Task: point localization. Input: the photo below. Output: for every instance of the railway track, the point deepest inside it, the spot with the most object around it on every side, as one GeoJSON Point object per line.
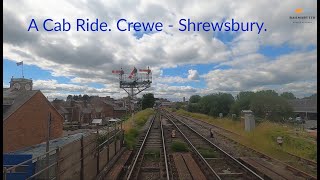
{"type": "Point", "coordinates": [238, 150]}
{"type": "Point", "coordinates": [222, 165]}
{"type": "Point", "coordinates": [224, 132]}
{"type": "Point", "coordinates": [183, 164]}
{"type": "Point", "coordinates": [151, 162]}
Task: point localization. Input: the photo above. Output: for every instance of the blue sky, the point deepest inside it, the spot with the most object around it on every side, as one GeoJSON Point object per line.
{"type": "Point", "coordinates": [34, 72]}
{"type": "Point", "coordinates": [37, 73]}
{"type": "Point", "coordinates": [183, 63]}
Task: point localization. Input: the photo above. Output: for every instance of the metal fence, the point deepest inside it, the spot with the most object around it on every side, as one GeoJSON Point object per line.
{"type": "Point", "coordinates": [81, 159]}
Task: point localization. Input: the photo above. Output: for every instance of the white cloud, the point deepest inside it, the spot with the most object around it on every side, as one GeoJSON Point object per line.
{"type": "Point", "coordinates": [52, 88]}
{"type": "Point", "coordinates": [171, 79]}
{"type": "Point", "coordinates": [286, 69]}
{"type": "Point", "coordinates": [87, 57]}
{"type": "Point", "coordinates": [193, 74]}
{"type": "Point", "coordinates": [5, 85]}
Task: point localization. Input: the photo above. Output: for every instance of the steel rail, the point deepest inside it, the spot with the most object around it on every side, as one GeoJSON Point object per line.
{"type": "Point", "coordinates": [195, 149]}
{"type": "Point", "coordinates": [224, 152]}
{"type": "Point", "coordinates": [289, 167]}
{"type": "Point", "coordinates": [164, 149]}
{"type": "Point", "coordinates": [140, 149]}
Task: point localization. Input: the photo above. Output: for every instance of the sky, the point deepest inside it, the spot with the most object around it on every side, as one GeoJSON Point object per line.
{"type": "Point", "coordinates": [182, 63]}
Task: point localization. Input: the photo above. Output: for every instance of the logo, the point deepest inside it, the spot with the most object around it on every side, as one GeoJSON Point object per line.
{"type": "Point", "coordinates": [304, 11]}
{"type": "Point", "coordinates": [303, 15]}
{"type": "Point", "coordinates": [299, 10]}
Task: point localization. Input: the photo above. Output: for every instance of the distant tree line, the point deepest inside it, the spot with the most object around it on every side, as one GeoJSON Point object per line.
{"type": "Point", "coordinates": [264, 104]}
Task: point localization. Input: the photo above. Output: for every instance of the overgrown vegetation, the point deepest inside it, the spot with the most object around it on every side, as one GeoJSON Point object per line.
{"type": "Point", "coordinates": [266, 104]}
{"type": "Point", "coordinates": [132, 126]}
{"type": "Point", "coordinates": [208, 153]}
{"type": "Point", "coordinates": [263, 137]}
{"type": "Point", "coordinates": [179, 146]}
{"type": "Point", "coordinates": [102, 138]}
{"type": "Point", "coordinates": [130, 137]}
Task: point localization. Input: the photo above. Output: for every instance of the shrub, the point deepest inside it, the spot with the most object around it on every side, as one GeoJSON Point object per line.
{"type": "Point", "coordinates": [179, 146]}
{"type": "Point", "coordinates": [208, 153]}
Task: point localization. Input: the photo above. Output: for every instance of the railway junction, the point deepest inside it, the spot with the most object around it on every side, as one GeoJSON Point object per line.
{"type": "Point", "coordinates": [168, 146]}
{"type": "Point", "coordinates": [178, 147]}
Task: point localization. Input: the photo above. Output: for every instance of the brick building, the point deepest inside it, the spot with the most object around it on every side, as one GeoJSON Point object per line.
{"type": "Point", "coordinates": [60, 106]}
{"type": "Point", "coordinates": [83, 112]}
{"type": "Point", "coordinates": [87, 114]}
{"type": "Point", "coordinates": [108, 107]}
{"type": "Point", "coordinates": [119, 112]}
{"type": "Point", "coordinates": [25, 116]}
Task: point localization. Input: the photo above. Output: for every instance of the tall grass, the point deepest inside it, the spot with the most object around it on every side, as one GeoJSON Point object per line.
{"type": "Point", "coordinates": [263, 137]}
{"type": "Point", "coordinates": [132, 126]}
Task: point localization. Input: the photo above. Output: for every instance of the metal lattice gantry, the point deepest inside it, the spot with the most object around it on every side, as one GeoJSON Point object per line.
{"type": "Point", "coordinates": [135, 82]}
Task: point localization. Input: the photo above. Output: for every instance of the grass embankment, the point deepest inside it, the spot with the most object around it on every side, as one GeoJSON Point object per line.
{"type": "Point", "coordinates": [263, 137]}
{"type": "Point", "coordinates": [133, 125]}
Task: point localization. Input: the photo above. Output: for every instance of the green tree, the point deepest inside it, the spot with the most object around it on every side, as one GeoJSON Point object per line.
{"type": "Point", "coordinates": [225, 100]}
{"type": "Point", "coordinates": [69, 97]}
{"type": "Point", "coordinates": [193, 107]}
{"type": "Point", "coordinates": [179, 105]}
{"type": "Point", "coordinates": [194, 99]}
{"type": "Point", "coordinates": [206, 103]}
{"type": "Point", "coordinates": [85, 97]}
{"type": "Point", "coordinates": [267, 92]}
{"type": "Point", "coordinates": [288, 95]}
{"type": "Point", "coordinates": [242, 102]}
{"type": "Point", "coordinates": [147, 100]}
{"type": "Point", "coordinates": [270, 105]}
{"type": "Point", "coordinates": [312, 96]}
{"type": "Point", "coordinates": [75, 97]}
{"type": "Point", "coordinates": [214, 104]}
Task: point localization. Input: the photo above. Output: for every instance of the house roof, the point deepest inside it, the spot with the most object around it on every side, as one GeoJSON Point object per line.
{"type": "Point", "coordinates": [114, 120]}
{"type": "Point", "coordinates": [167, 103]}
{"type": "Point", "coordinates": [115, 106]}
{"type": "Point", "coordinates": [246, 111]}
{"type": "Point", "coordinates": [63, 110]}
{"type": "Point", "coordinates": [86, 110]}
{"type": "Point", "coordinates": [97, 121]}
{"type": "Point", "coordinates": [98, 109]}
{"type": "Point", "coordinates": [118, 102]}
{"type": "Point", "coordinates": [304, 105]}
{"type": "Point", "coordinates": [108, 102]}
{"type": "Point", "coordinates": [39, 149]}
{"type": "Point", "coordinates": [13, 100]}
{"type": "Point", "coordinates": [119, 108]}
